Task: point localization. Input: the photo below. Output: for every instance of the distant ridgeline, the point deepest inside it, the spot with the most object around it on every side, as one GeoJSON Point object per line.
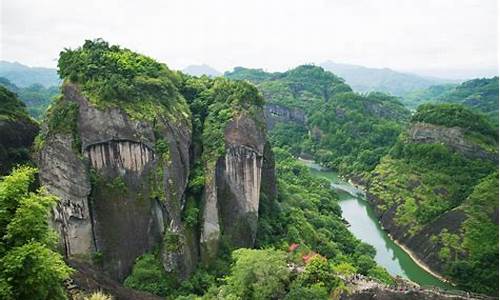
{"type": "Point", "coordinates": [479, 94]}
{"type": "Point", "coordinates": [314, 113]}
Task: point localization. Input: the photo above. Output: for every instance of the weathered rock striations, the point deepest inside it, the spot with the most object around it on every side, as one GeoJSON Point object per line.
{"type": "Point", "coordinates": [118, 197]}
{"type": "Point", "coordinates": [232, 192]}
{"type": "Point", "coordinates": [122, 187]}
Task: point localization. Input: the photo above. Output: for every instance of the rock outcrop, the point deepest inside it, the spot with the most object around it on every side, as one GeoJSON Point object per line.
{"type": "Point", "coordinates": [275, 113]}
{"type": "Point", "coordinates": [122, 187]}
{"type": "Point", "coordinates": [232, 192]}
{"type": "Point", "coordinates": [118, 197]}
{"type": "Point", "coordinates": [454, 137]}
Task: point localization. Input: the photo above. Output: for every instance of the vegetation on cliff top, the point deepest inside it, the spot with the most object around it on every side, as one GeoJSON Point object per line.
{"type": "Point", "coordinates": [10, 106]}
{"type": "Point", "coordinates": [110, 75]}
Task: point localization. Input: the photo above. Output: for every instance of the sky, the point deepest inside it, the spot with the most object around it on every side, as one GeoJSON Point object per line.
{"type": "Point", "coordinates": [433, 37]}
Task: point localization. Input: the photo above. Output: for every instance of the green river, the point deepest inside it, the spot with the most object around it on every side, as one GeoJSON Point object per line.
{"type": "Point", "coordinates": [364, 225]}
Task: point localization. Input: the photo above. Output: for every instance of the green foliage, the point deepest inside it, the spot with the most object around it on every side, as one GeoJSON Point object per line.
{"type": "Point", "coordinates": [10, 105]}
{"type": "Point", "coordinates": [455, 115]}
{"type": "Point", "coordinates": [33, 271]}
{"type": "Point", "coordinates": [62, 117]}
{"type": "Point", "coordinates": [29, 266]}
{"type": "Point", "coordinates": [318, 271]}
{"type": "Point", "coordinates": [112, 76]}
{"type": "Point", "coordinates": [257, 274]}
{"type": "Point", "coordinates": [479, 271]}
{"type": "Point", "coordinates": [148, 275]}
{"type": "Point", "coordinates": [480, 95]}
{"type": "Point", "coordinates": [36, 97]}
{"type": "Point", "coordinates": [252, 75]}
{"type": "Point", "coordinates": [414, 98]}
{"type": "Point", "coordinates": [425, 182]}
{"type": "Point", "coordinates": [345, 131]}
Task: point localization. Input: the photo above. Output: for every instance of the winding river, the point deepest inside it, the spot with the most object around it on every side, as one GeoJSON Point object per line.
{"type": "Point", "coordinates": [364, 225]}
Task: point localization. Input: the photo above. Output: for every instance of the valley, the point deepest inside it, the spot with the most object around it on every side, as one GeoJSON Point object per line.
{"type": "Point", "coordinates": [150, 183]}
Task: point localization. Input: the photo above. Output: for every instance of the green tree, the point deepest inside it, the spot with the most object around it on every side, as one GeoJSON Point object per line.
{"type": "Point", "coordinates": [257, 274]}
{"type": "Point", "coordinates": [29, 266]}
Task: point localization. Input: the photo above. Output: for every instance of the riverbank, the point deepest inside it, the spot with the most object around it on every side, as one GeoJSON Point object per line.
{"type": "Point", "coordinates": [366, 225]}
{"type": "Point", "coordinates": [417, 261]}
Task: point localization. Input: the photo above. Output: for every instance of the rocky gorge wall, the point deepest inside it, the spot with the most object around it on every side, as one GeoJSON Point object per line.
{"type": "Point", "coordinates": [117, 197]}
{"type": "Point", "coordinates": [232, 193]}
{"type": "Point", "coordinates": [121, 195]}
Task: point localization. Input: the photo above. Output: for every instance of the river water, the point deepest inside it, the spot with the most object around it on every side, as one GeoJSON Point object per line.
{"type": "Point", "coordinates": [364, 225]}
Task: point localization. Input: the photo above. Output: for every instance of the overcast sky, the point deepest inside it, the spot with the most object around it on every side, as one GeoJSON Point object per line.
{"type": "Point", "coordinates": [422, 35]}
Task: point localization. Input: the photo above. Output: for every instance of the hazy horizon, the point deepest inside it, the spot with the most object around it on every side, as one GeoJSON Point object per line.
{"type": "Point", "coordinates": [447, 38]}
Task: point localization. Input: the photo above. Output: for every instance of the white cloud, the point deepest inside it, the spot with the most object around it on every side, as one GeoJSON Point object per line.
{"type": "Point", "coordinates": [276, 35]}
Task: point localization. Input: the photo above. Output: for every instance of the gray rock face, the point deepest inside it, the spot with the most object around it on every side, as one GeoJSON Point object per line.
{"type": "Point", "coordinates": [66, 176]}
{"type": "Point", "coordinates": [452, 136]}
{"type": "Point", "coordinates": [275, 113]}
{"type": "Point", "coordinates": [231, 203]}
{"type": "Point", "coordinates": [118, 197]}
{"type": "Point", "coordinates": [121, 194]}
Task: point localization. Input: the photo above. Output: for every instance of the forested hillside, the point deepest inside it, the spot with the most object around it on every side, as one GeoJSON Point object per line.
{"type": "Point", "coordinates": [479, 94]}
{"type": "Point", "coordinates": [437, 192]}
{"type": "Point", "coordinates": [36, 97]}
{"type": "Point", "coordinates": [189, 157]}
{"type": "Point", "coordinates": [343, 130]}
{"type": "Point", "coordinates": [17, 131]}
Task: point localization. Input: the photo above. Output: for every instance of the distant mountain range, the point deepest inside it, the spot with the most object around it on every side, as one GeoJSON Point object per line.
{"type": "Point", "coordinates": [24, 76]}
{"type": "Point", "coordinates": [199, 70]}
{"type": "Point", "coordinates": [363, 79]}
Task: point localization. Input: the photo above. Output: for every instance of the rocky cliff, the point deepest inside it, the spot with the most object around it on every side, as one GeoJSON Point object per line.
{"type": "Point", "coordinates": [232, 193]}
{"type": "Point", "coordinates": [275, 113]}
{"type": "Point", "coordinates": [120, 163]}
{"type": "Point", "coordinates": [118, 195]}
{"type": "Point", "coordinates": [453, 137]}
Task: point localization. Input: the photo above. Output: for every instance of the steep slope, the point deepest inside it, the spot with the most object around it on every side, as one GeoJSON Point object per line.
{"type": "Point", "coordinates": [426, 192]}
{"type": "Point", "coordinates": [316, 114]}
{"type": "Point", "coordinates": [17, 131]}
{"type": "Point", "coordinates": [36, 97]}
{"type": "Point", "coordinates": [119, 151]}
{"type": "Point", "coordinates": [479, 94]}
{"type": "Point", "coordinates": [23, 76]}
{"type": "Point", "coordinates": [363, 79]}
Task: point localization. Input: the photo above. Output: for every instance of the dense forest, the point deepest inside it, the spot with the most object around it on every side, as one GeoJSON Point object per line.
{"type": "Point", "coordinates": [346, 131]}
{"type": "Point", "coordinates": [480, 95]}
{"type": "Point", "coordinates": [189, 187]}
{"type": "Point", "coordinates": [36, 97]}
